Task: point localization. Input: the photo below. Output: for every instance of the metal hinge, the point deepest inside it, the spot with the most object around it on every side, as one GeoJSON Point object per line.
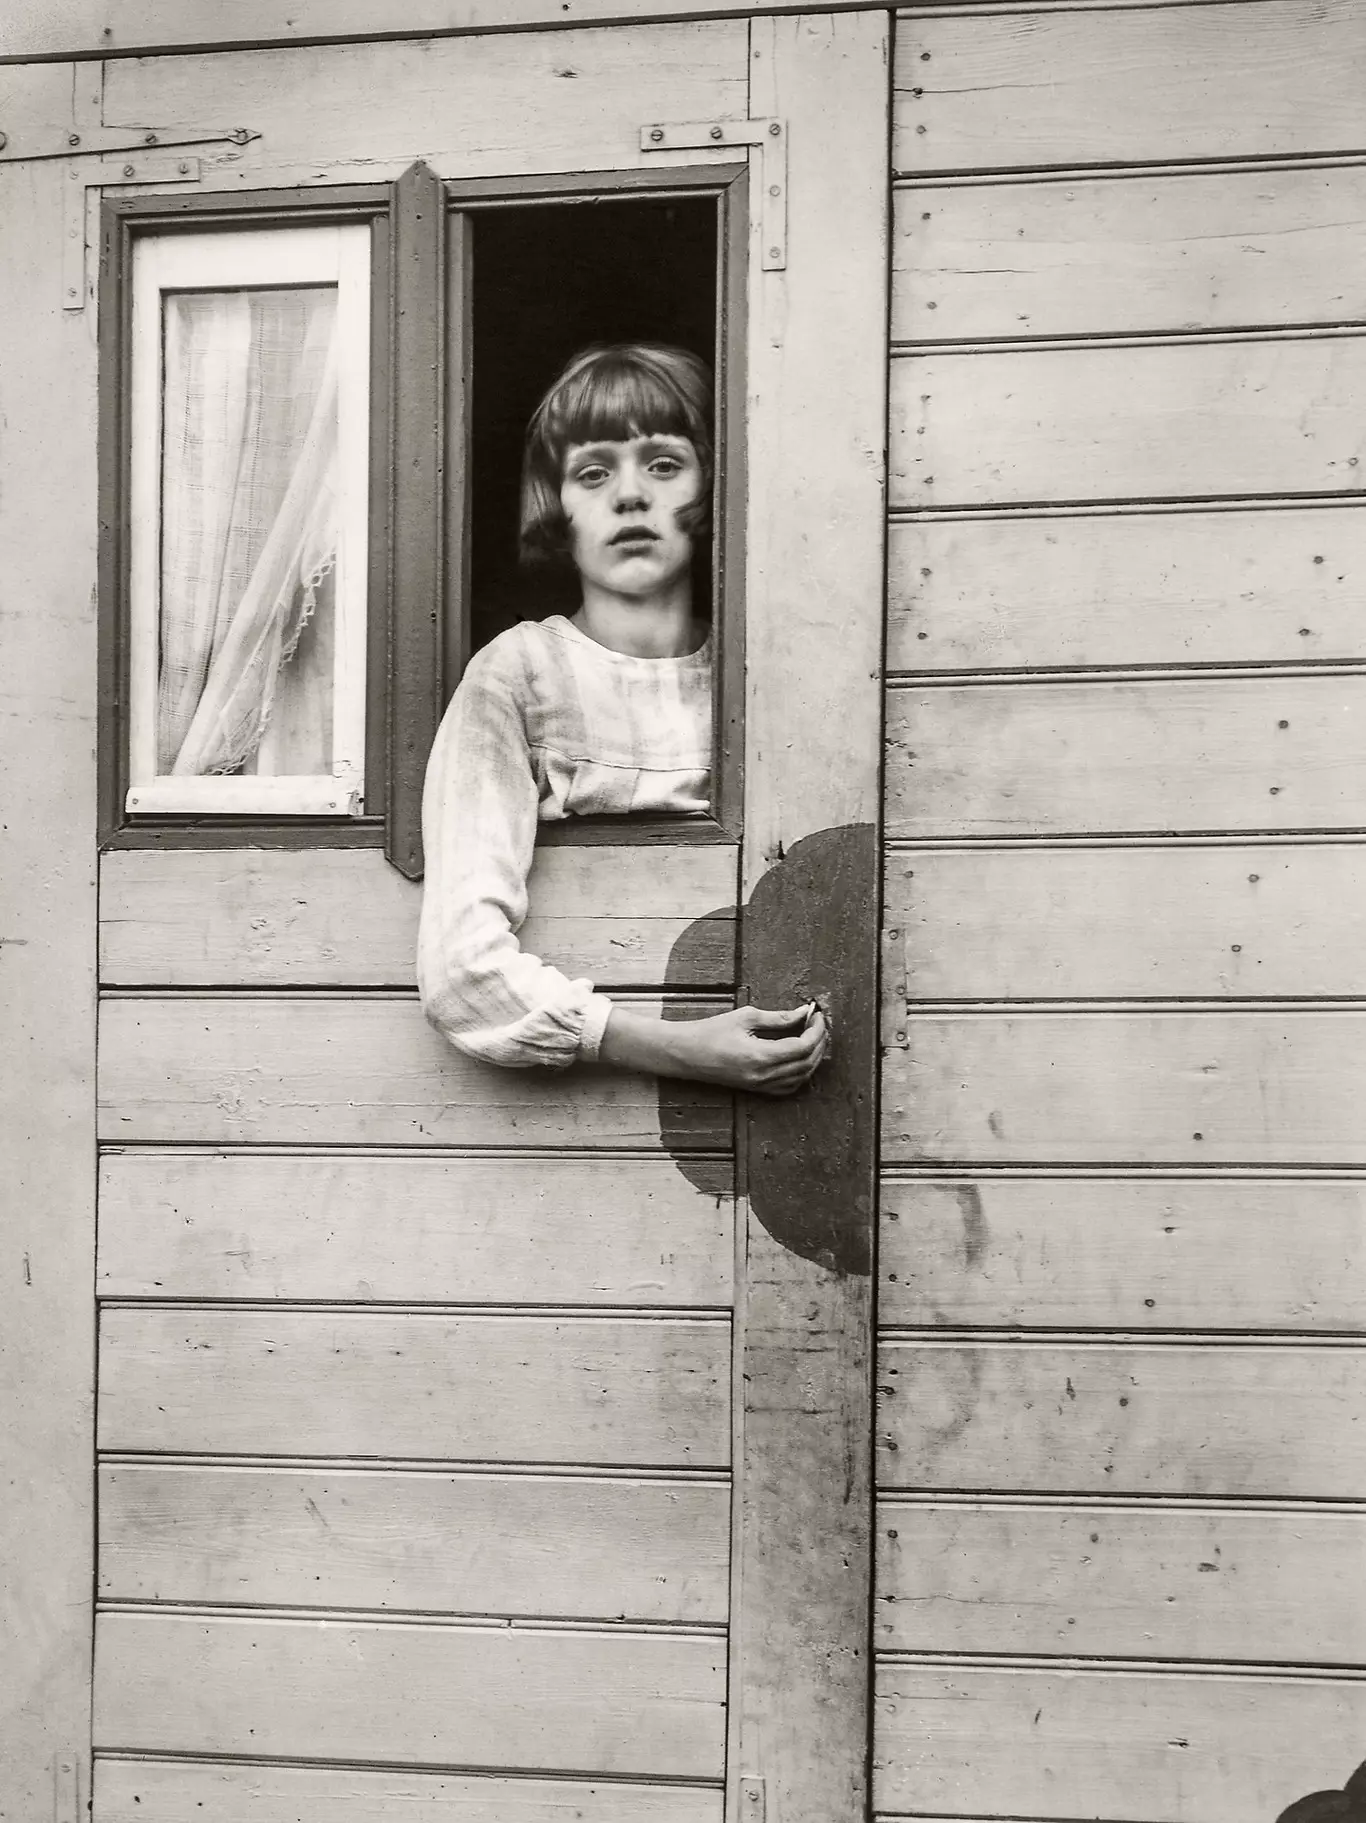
{"type": "Point", "coordinates": [770, 136]}
{"type": "Point", "coordinates": [97, 155]}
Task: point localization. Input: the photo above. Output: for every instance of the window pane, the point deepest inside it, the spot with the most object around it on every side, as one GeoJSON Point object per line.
{"type": "Point", "coordinates": [249, 526]}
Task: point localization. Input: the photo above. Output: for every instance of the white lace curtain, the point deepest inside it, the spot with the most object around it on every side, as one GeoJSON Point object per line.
{"type": "Point", "coordinates": [248, 511]}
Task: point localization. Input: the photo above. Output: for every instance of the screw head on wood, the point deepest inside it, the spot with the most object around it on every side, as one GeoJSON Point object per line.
{"type": "Point", "coordinates": [716, 132]}
{"type": "Point", "coordinates": [73, 139]}
{"type": "Point", "coordinates": [656, 134]}
{"type": "Point", "coordinates": [776, 128]}
{"type": "Point", "coordinates": [149, 139]}
{"type": "Point", "coordinates": [128, 171]}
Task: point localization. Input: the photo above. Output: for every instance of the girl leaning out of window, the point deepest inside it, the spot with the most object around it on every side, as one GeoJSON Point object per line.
{"type": "Point", "coordinates": [606, 711]}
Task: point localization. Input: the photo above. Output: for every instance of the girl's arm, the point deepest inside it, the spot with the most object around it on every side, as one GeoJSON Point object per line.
{"type": "Point", "coordinates": [478, 986]}
{"type": "Point", "coordinates": [767, 1053]}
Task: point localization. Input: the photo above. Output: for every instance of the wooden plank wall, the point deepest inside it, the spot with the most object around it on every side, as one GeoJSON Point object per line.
{"type": "Point", "coordinates": [414, 1410]}
{"type": "Point", "coordinates": [1121, 1539]}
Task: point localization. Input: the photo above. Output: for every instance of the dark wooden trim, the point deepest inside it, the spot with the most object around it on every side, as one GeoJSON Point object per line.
{"type": "Point", "coordinates": [459, 346]}
{"type": "Point", "coordinates": [122, 220]}
{"type": "Point", "coordinates": [634, 832]}
{"type": "Point", "coordinates": [249, 832]}
{"type": "Point", "coordinates": [587, 187]}
{"type": "Point", "coordinates": [115, 295]}
{"type": "Point", "coordinates": [731, 495]}
{"type": "Point", "coordinates": [381, 520]}
{"type": "Point", "coordinates": [416, 604]}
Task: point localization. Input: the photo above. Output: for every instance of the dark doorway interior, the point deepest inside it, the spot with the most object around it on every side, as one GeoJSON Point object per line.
{"type": "Point", "coordinates": [548, 280]}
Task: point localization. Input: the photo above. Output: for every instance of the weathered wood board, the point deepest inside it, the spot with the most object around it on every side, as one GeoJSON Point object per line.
{"type": "Point", "coordinates": [338, 917]}
{"type": "Point", "coordinates": [510, 1229]}
{"type": "Point", "coordinates": [1123, 1418]}
{"type": "Point", "coordinates": [1192, 754]}
{"type": "Point", "coordinates": [1222, 587]}
{"type": "Point", "coordinates": [1114, 1253]}
{"type": "Point", "coordinates": [1036, 1742]}
{"type": "Point", "coordinates": [562, 1700]}
{"type": "Point", "coordinates": [1038, 88]}
{"type": "Point", "coordinates": [576, 1546]}
{"type": "Point", "coordinates": [1172, 1087]}
{"type": "Point", "coordinates": [1110, 256]}
{"type": "Point", "coordinates": [1034, 922]}
{"type": "Point", "coordinates": [1138, 1582]}
{"type": "Point", "coordinates": [326, 1069]}
{"type": "Point", "coordinates": [476, 1388]}
{"type": "Point", "coordinates": [1101, 421]}
{"type": "Point", "coordinates": [468, 107]}
{"type": "Point", "coordinates": [151, 1791]}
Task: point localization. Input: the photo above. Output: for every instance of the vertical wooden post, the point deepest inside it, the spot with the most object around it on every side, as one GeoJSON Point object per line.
{"type": "Point", "coordinates": [47, 1003]}
{"type": "Point", "coordinates": [817, 367]}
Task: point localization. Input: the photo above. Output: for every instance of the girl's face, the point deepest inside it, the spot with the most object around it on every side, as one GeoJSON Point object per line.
{"type": "Point", "coordinates": [622, 502]}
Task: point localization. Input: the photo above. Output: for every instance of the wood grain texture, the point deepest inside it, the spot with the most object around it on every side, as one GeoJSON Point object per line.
{"type": "Point", "coordinates": [325, 1069]}
{"type": "Point", "coordinates": [529, 1230]}
{"type": "Point", "coordinates": [1026, 89]}
{"type": "Point", "coordinates": [482, 1697]}
{"type": "Point", "coordinates": [1178, 588]}
{"type": "Point", "coordinates": [1106, 421]}
{"type": "Point", "coordinates": [1121, 1418]}
{"type": "Point", "coordinates": [815, 520]}
{"type": "Point", "coordinates": [568, 1546]}
{"type": "Point", "coordinates": [468, 107]}
{"type": "Point", "coordinates": [1110, 1253]}
{"type": "Point", "coordinates": [334, 917]}
{"type": "Point", "coordinates": [132, 1791]}
{"type": "Point", "coordinates": [1092, 1743]}
{"type": "Point", "coordinates": [1037, 922]}
{"type": "Point", "coordinates": [48, 525]}
{"type": "Point", "coordinates": [1122, 1582]}
{"type": "Point", "coordinates": [1268, 1088]}
{"type": "Point", "coordinates": [1194, 754]}
{"type": "Point", "coordinates": [639, 1392]}
{"type": "Point", "coordinates": [1106, 256]}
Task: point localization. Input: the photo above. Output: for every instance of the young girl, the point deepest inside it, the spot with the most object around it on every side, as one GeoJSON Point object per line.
{"type": "Point", "coordinates": [607, 711]}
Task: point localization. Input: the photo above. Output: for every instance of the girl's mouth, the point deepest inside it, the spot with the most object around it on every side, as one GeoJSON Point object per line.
{"type": "Point", "coordinates": [635, 534]}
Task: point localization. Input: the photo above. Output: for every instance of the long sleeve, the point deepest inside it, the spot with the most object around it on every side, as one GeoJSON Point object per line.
{"type": "Point", "coordinates": [479, 814]}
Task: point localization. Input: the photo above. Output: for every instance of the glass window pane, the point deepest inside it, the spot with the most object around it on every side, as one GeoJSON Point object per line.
{"type": "Point", "coordinates": [249, 527]}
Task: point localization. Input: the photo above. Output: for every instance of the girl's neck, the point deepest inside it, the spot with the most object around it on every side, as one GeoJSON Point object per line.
{"type": "Point", "coordinates": [659, 627]}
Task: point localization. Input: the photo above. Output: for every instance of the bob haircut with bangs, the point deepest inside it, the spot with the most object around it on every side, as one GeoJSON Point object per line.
{"type": "Point", "coordinates": [610, 394]}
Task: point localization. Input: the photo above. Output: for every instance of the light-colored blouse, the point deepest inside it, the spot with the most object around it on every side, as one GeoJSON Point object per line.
{"type": "Point", "coordinates": [546, 724]}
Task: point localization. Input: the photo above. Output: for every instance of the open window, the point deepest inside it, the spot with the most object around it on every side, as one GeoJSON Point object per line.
{"type": "Point", "coordinates": [312, 414]}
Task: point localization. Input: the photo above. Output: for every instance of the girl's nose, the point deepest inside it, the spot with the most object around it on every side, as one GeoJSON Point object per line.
{"type": "Point", "coordinates": [632, 487]}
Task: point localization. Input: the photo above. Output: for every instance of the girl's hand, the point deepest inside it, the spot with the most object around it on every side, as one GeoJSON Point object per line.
{"type": "Point", "coordinates": [766, 1053]}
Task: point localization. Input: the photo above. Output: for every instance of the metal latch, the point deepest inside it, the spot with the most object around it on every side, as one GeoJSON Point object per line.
{"type": "Point", "coordinates": [97, 155]}
{"type": "Point", "coordinates": [770, 136]}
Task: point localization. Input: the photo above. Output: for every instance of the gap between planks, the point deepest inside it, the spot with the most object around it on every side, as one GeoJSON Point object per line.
{"type": "Point", "coordinates": [1135, 1340]}
{"type": "Point", "coordinates": [1137, 503]}
{"type": "Point", "coordinates": [343, 1307]}
{"type": "Point", "coordinates": [983, 676]}
{"type": "Point", "coordinates": [1126, 338]}
{"type": "Point", "coordinates": [603, 1626]}
{"type": "Point", "coordinates": [164, 1756]}
{"type": "Point", "coordinates": [1167, 1667]}
{"type": "Point", "coordinates": [1253, 164]}
{"type": "Point", "coordinates": [609, 1474]}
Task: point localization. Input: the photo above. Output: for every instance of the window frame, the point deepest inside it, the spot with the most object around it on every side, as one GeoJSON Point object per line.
{"type": "Point", "coordinates": [325, 255]}
{"type": "Point", "coordinates": [417, 640]}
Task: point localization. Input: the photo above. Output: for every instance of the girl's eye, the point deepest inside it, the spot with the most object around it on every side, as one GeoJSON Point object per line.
{"type": "Point", "coordinates": [593, 474]}
{"type": "Point", "coordinates": [667, 466]}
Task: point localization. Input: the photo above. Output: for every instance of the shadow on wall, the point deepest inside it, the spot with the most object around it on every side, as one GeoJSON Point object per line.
{"type": "Point", "coordinates": [1345, 1806]}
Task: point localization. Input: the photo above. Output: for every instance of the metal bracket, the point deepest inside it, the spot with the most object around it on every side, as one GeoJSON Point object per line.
{"type": "Point", "coordinates": [752, 1801]}
{"type": "Point", "coordinates": [91, 175]}
{"type": "Point", "coordinates": [88, 137]}
{"type": "Point", "coordinates": [770, 136]}
{"type": "Point", "coordinates": [66, 1786]}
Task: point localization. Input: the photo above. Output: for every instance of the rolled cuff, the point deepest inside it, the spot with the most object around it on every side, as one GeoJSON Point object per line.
{"type": "Point", "coordinates": [596, 1012]}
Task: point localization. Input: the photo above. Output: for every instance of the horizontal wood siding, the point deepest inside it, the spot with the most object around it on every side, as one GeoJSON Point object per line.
{"type": "Point", "coordinates": [956, 1740]}
{"type": "Point", "coordinates": [1030, 87]}
{"type": "Point", "coordinates": [582, 1547]}
{"type": "Point", "coordinates": [611, 1390]}
{"type": "Point", "coordinates": [151, 1791]}
{"type": "Point", "coordinates": [1110, 1581]}
{"type": "Point", "coordinates": [1037, 922]}
{"type": "Point", "coordinates": [1108, 1253]}
{"type": "Point", "coordinates": [559, 1700]}
{"type": "Point", "coordinates": [1171, 1087]}
{"type": "Point", "coordinates": [1121, 1261]}
{"type": "Point", "coordinates": [1114, 256]}
{"type": "Point", "coordinates": [1236, 586]}
{"type": "Point", "coordinates": [1098, 421]}
{"type": "Point", "coordinates": [336, 917]}
{"type": "Point", "coordinates": [469, 107]}
{"type": "Point", "coordinates": [324, 1070]}
{"type": "Point", "coordinates": [530, 1229]}
{"type": "Point", "coordinates": [1247, 754]}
